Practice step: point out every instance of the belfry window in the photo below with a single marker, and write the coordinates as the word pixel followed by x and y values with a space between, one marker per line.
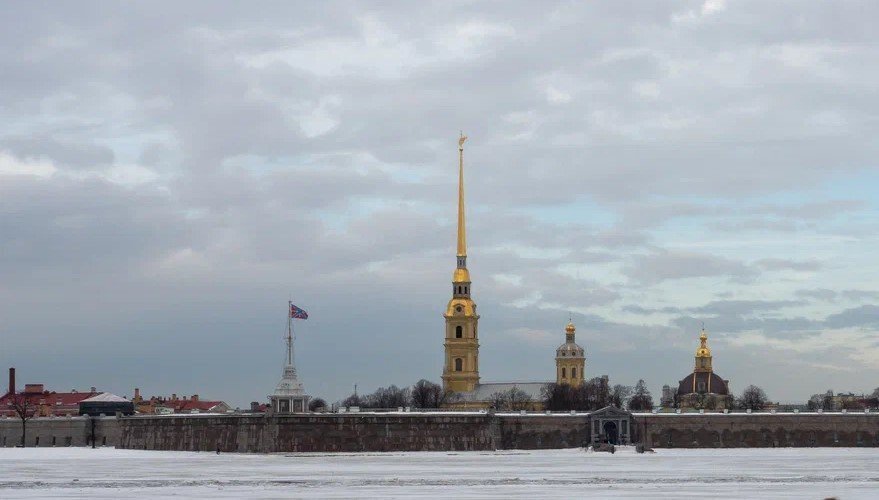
pixel 459 332
pixel 564 373
pixel 459 364
pixel 573 373
pixel 700 387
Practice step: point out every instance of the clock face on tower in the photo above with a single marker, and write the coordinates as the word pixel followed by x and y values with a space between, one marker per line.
pixel 458 309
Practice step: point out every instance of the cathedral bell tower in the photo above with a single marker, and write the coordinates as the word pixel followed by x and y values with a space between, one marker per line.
pixel 570 360
pixel 461 368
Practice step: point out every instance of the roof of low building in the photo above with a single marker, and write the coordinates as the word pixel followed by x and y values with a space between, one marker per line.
pixel 105 397
pixel 483 392
pixel 186 405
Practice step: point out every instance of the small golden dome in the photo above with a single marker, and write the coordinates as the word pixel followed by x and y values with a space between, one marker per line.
pixel 703 351
pixel 570 328
pixel 461 275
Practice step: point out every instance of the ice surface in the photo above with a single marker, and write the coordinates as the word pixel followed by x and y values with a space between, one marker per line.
pixel 711 473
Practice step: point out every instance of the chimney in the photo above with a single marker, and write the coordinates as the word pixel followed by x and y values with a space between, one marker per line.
pixel 195 397
pixel 11 380
pixel 94 390
pixel 254 406
pixel 173 397
pixel 137 394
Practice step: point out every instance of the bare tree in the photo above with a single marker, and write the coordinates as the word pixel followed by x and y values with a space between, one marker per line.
pixel 426 394
pixel 518 399
pixel 620 394
pixel 353 400
pixel 560 397
pixel 316 404
pixel 641 399
pixel 387 397
pixel 498 400
pixel 25 409
pixel 753 398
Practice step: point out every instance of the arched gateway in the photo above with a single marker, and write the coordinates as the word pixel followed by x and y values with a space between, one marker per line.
pixel 611 425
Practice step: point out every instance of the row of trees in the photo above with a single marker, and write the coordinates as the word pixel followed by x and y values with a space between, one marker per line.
pixel 591 395
pixel 595 394
pixel 424 394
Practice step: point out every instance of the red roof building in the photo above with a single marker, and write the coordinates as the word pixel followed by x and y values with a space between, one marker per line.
pixel 48 403
pixel 174 404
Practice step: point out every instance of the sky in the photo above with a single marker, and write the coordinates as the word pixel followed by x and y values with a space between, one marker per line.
pixel 171 174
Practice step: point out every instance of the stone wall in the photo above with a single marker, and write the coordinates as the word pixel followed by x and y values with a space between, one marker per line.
pixel 742 430
pixel 316 432
pixel 59 431
pixel 533 432
pixel 439 432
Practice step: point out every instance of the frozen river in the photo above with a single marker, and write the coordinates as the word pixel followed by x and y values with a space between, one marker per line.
pixel 732 473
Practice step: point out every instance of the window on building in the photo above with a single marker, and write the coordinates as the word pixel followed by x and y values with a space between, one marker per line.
pixel 459 364
pixel 573 373
pixel 564 373
pixel 466 289
pixel 700 387
pixel 459 332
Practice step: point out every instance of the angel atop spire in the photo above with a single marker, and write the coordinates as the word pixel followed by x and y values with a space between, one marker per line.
pixel 461 140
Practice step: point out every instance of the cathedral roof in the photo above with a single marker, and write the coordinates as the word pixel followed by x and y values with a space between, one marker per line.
pixel 714 384
pixel 569 350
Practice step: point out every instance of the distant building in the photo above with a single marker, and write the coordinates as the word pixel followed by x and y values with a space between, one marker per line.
pixel 840 401
pixel 703 388
pixel 160 405
pixel 105 404
pixel 48 403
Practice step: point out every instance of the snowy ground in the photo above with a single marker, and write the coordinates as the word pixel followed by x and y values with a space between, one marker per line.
pixel 732 473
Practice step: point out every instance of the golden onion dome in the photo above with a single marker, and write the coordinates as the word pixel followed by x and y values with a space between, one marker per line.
pixel 570 328
pixel 703 351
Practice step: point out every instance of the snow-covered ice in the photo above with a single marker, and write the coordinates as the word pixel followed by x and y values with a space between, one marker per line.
pixel 729 473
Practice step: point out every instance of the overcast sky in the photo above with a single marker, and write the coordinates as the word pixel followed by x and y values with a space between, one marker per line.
pixel 172 173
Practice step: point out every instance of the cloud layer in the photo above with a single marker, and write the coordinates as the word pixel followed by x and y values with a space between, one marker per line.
pixel 170 175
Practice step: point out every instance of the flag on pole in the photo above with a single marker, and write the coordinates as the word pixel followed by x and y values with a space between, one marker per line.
pixel 297 313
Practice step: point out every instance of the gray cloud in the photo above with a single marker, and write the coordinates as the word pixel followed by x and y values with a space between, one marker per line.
pixel 667 265
pixel 199 166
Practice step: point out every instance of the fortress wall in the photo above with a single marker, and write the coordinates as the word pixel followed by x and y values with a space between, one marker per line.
pixel 59 431
pixel 758 430
pixel 533 432
pixel 439 432
pixel 311 433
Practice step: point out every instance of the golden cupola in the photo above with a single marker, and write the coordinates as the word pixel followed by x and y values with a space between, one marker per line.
pixel 703 353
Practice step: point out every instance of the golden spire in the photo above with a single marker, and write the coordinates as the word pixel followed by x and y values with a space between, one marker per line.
pixel 462 230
